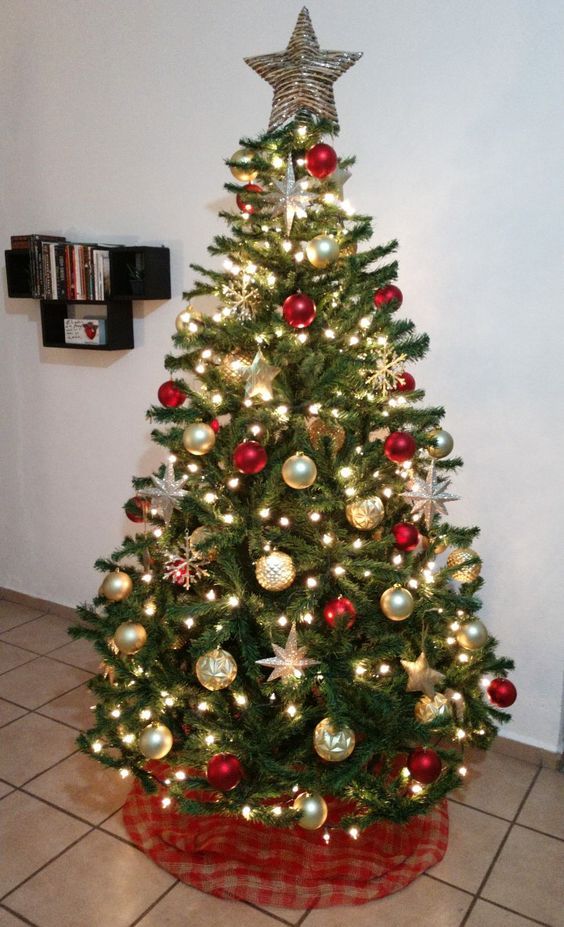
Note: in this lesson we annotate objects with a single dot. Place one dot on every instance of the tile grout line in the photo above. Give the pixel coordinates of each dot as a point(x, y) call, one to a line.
point(524, 917)
point(48, 702)
point(499, 850)
point(154, 903)
point(22, 917)
point(276, 917)
point(28, 878)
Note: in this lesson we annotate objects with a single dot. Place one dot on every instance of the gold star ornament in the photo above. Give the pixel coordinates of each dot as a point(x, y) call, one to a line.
point(421, 676)
point(259, 378)
point(303, 75)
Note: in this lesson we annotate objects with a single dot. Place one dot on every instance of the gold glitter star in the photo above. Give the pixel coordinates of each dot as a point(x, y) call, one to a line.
point(303, 75)
point(289, 660)
point(259, 377)
point(421, 676)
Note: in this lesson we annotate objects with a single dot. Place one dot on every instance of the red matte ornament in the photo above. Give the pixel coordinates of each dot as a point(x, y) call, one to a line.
point(388, 297)
point(399, 446)
point(321, 160)
point(424, 765)
point(299, 310)
point(338, 610)
point(405, 384)
point(406, 536)
point(214, 425)
point(250, 457)
point(502, 692)
point(244, 206)
point(224, 771)
point(170, 396)
point(138, 509)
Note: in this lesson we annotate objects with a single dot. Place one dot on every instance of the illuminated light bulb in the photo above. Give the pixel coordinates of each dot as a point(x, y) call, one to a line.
point(348, 208)
point(329, 198)
point(286, 246)
point(150, 608)
point(264, 513)
point(282, 621)
point(147, 577)
point(246, 812)
point(277, 811)
point(200, 368)
point(251, 268)
point(210, 497)
point(96, 746)
point(302, 337)
point(291, 711)
point(387, 492)
point(298, 257)
point(345, 472)
point(158, 532)
point(233, 482)
point(413, 584)
point(115, 713)
point(295, 789)
point(405, 772)
point(170, 701)
point(327, 539)
point(189, 622)
point(462, 770)
point(146, 714)
point(311, 582)
point(284, 521)
point(228, 264)
point(279, 332)
point(329, 333)
point(301, 131)
point(219, 627)
point(357, 544)
point(460, 613)
point(416, 788)
point(166, 802)
point(217, 399)
point(367, 573)
point(241, 699)
point(314, 408)
point(460, 734)
point(335, 413)
point(339, 570)
point(314, 516)
point(282, 410)
point(384, 669)
point(210, 596)
point(385, 414)
point(209, 739)
point(360, 670)
point(456, 696)
point(300, 162)
point(272, 697)
point(128, 738)
point(271, 280)
point(233, 601)
point(216, 316)
point(192, 328)
point(193, 468)
point(397, 559)
point(382, 340)
point(308, 617)
point(228, 519)
point(327, 836)
point(353, 340)
point(124, 773)
point(203, 706)
point(480, 731)
point(277, 161)
point(455, 626)
point(206, 353)
point(180, 775)
point(154, 511)
point(365, 322)
point(463, 658)
point(451, 640)
point(354, 832)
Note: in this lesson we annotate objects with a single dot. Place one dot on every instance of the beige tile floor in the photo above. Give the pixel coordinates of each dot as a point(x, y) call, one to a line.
point(66, 859)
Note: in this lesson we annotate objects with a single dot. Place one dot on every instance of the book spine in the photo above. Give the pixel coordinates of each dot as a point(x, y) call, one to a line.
point(68, 272)
point(45, 271)
point(53, 265)
point(60, 262)
point(76, 272)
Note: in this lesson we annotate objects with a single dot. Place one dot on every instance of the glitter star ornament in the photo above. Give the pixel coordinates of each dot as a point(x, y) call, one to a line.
point(421, 676)
point(259, 378)
point(388, 371)
point(291, 197)
point(290, 660)
point(167, 491)
point(429, 495)
point(303, 75)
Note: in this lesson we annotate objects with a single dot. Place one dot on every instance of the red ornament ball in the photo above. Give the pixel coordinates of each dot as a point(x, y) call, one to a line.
point(502, 692)
point(424, 765)
point(243, 204)
point(214, 425)
point(399, 446)
point(224, 771)
point(406, 384)
point(406, 536)
point(321, 160)
point(388, 297)
point(339, 610)
point(170, 396)
point(137, 509)
point(250, 457)
point(299, 310)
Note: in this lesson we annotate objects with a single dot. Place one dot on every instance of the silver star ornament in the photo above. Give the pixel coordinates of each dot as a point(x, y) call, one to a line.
point(303, 75)
point(420, 676)
point(291, 197)
point(429, 495)
point(259, 378)
point(167, 492)
point(290, 660)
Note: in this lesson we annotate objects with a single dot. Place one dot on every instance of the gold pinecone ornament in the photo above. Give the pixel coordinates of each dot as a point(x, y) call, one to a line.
point(465, 571)
point(317, 429)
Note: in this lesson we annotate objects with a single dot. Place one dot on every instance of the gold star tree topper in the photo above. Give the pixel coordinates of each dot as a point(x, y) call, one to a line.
point(421, 676)
point(303, 75)
point(290, 660)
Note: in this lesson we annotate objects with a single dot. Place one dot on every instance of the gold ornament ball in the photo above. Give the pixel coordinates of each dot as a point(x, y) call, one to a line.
point(117, 586)
point(439, 545)
point(365, 514)
point(234, 366)
point(130, 637)
point(428, 709)
point(198, 438)
point(464, 572)
point(155, 741)
point(184, 318)
point(348, 248)
point(322, 251)
point(442, 445)
point(275, 571)
point(472, 635)
point(333, 743)
point(299, 471)
point(244, 173)
point(313, 808)
point(397, 603)
point(200, 536)
point(216, 669)
point(318, 429)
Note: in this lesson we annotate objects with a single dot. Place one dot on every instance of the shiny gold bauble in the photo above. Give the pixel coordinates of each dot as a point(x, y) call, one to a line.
point(234, 366)
point(245, 173)
point(333, 743)
point(117, 586)
point(275, 571)
point(155, 741)
point(318, 429)
point(216, 669)
point(184, 318)
point(472, 635)
point(130, 637)
point(365, 514)
point(459, 558)
point(442, 445)
point(397, 603)
point(439, 545)
point(198, 438)
point(428, 709)
point(313, 810)
point(322, 251)
point(200, 536)
point(299, 471)
point(348, 248)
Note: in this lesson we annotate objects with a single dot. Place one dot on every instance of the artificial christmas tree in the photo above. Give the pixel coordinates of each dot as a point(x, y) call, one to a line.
point(281, 632)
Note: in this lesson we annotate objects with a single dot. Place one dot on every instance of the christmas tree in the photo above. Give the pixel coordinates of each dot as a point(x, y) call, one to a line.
point(286, 625)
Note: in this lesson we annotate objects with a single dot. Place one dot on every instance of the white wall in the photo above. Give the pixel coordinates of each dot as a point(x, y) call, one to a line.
point(118, 115)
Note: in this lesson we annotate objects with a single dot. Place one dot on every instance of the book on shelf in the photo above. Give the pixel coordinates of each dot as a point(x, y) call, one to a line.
point(25, 241)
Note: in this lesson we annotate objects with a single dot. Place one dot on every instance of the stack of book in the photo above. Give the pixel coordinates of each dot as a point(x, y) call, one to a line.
point(60, 270)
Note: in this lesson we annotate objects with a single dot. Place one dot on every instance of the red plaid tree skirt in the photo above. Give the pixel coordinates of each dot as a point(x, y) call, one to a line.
point(290, 868)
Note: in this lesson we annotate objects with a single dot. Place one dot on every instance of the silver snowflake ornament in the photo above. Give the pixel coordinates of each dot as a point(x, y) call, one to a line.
point(290, 660)
point(240, 294)
point(291, 197)
point(186, 566)
point(388, 371)
point(429, 495)
point(167, 492)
